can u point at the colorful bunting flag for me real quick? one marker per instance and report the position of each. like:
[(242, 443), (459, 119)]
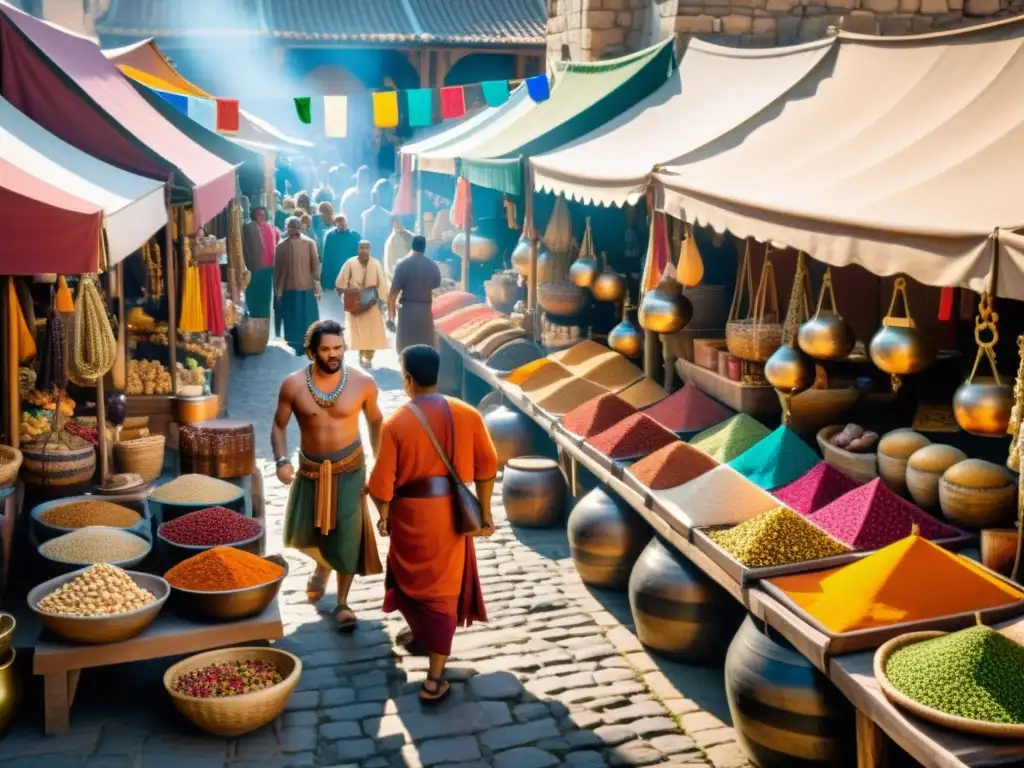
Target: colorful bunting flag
[(495, 92), (385, 109), (228, 116), (304, 109), (453, 102), (177, 100), (420, 103), (336, 117), (538, 87), (204, 112)]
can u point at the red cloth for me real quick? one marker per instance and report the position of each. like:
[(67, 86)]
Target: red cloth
[(405, 204), (460, 216), (213, 298), (453, 102), (228, 115), (946, 305)]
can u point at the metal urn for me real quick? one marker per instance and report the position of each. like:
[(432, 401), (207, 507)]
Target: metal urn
[(10, 686), (609, 285), (678, 611), (826, 335), (511, 432), (665, 309), (533, 491), (481, 249), (626, 338), (606, 536), (789, 370), (785, 712), (586, 269), (982, 406), (899, 348)]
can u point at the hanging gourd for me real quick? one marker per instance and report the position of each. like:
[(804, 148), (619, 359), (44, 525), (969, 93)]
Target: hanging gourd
[(982, 405), (691, 266), (625, 338), (899, 348), (609, 285), (665, 309), (585, 269), (789, 370), (827, 336), (65, 301), (93, 345)]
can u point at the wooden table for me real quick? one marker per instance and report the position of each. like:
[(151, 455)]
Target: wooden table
[(61, 662)]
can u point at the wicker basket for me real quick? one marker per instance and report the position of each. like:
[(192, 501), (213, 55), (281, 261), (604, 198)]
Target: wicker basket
[(560, 298), (755, 337), (862, 467), (218, 448), (143, 456), (10, 465), (236, 715), (753, 340)]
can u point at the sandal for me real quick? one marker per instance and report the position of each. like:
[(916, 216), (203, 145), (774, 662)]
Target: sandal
[(316, 586), (347, 625), (441, 690)]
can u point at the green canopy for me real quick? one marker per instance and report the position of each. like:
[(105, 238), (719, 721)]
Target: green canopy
[(584, 96)]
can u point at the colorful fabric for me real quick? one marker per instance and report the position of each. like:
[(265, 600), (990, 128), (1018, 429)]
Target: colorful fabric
[(299, 310), (385, 109), (304, 109), (228, 116), (420, 103), (339, 247), (213, 298), (176, 100), (453, 102), (336, 117), (538, 88), (269, 235), (204, 112), (495, 92), (405, 203), (260, 292)]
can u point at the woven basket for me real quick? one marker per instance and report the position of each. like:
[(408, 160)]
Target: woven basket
[(236, 715), (862, 467), (752, 340), (10, 464), (755, 337), (560, 298), (143, 456)]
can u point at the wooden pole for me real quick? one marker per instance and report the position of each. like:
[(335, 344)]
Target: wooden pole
[(101, 429), (170, 267), (533, 326), (122, 337), (468, 224), (13, 383)]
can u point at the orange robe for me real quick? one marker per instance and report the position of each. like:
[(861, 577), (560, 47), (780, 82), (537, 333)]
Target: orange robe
[(432, 576)]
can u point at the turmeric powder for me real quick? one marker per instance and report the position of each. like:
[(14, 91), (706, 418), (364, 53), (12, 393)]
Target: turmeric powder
[(910, 580), (222, 569)]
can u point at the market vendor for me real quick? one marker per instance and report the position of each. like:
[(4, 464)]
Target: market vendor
[(259, 240), (326, 516), (297, 284)]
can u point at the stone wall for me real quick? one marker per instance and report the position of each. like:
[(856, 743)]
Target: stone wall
[(597, 29)]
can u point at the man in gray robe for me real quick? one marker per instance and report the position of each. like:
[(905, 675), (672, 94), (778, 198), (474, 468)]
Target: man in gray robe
[(415, 279)]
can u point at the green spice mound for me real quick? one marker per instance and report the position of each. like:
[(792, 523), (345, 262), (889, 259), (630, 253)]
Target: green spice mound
[(777, 537), (975, 673)]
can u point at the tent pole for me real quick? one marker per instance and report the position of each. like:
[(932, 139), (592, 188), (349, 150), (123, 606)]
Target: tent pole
[(13, 382), (467, 226), (171, 266), (418, 228), (530, 231)]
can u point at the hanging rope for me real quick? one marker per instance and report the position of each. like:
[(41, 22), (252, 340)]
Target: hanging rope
[(95, 347)]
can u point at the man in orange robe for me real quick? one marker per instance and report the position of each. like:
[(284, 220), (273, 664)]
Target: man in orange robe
[(432, 576)]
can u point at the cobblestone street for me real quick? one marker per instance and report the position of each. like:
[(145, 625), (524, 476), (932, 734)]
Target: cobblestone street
[(556, 678)]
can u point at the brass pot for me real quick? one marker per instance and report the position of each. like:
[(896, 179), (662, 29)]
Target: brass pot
[(500, 295), (900, 350), (521, 257), (533, 491), (606, 536), (10, 689), (584, 271), (827, 336), (789, 370), (609, 286), (665, 309), (785, 712), (982, 406), (511, 432), (481, 248), (678, 611), (626, 339)]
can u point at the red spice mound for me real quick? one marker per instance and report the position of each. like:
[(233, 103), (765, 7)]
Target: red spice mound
[(460, 317), (597, 415), (635, 436), (873, 516), (447, 303), (211, 527), (688, 410), (817, 488), (671, 466)]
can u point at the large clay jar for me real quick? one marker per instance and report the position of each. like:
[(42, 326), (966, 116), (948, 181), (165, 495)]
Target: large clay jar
[(678, 611), (510, 431), (606, 536), (786, 713), (533, 491)]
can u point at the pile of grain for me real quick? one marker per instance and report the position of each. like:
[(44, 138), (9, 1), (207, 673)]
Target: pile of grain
[(102, 590), (597, 415), (94, 545), (196, 489), (81, 514), (688, 410), (777, 537), (725, 441), (631, 438), (511, 356), (643, 394), (450, 302), (671, 466)]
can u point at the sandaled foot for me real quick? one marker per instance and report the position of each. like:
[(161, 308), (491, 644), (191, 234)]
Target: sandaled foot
[(435, 690), (316, 586), (345, 619), (406, 639)]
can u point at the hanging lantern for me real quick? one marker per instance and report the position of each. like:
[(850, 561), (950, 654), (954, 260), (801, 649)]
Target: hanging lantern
[(982, 405), (625, 338), (585, 269), (826, 336), (691, 266), (609, 285), (665, 309), (898, 347), (788, 369)]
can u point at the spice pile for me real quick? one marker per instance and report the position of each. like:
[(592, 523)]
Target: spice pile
[(777, 537), (688, 410), (725, 441), (779, 459), (211, 527), (643, 394), (910, 580), (634, 436), (452, 301), (873, 516), (818, 488), (222, 569), (974, 673), (610, 371), (102, 590), (580, 356), (544, 376), (460, 317), (597, 415), (564, 396), (673, 465), (94, 545), (196, 489), (229, 679), (514, 354), (81, 514)]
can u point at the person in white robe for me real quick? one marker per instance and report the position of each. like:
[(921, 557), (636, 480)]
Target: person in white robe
[(366, 328), (397, 246)]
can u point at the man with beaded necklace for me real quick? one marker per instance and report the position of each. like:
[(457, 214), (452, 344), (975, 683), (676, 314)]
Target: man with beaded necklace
[(326, 516)]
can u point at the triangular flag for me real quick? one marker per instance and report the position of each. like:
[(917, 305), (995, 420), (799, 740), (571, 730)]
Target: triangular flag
[(453, 102), (421, 107), (304, 109), (204, 112), (538, 87), (177, 100), (495, 92), (228, 117), (336, 117), (385, 109)]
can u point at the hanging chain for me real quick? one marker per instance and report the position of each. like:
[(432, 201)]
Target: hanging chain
[(986, 321)]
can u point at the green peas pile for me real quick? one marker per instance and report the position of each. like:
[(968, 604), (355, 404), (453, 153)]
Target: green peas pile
[(976, 673), (777, 537)]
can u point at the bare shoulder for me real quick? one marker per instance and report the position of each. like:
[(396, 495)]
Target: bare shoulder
[(292, 385), (362, 381)]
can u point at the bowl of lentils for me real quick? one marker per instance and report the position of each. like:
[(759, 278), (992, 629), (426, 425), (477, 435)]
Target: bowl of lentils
[(99, 604), (92, 545), (55, 518), (204, 529), (189, 493), (234, 690)]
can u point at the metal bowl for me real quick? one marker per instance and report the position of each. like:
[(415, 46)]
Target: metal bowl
[(101, 629), (7, 626), (174, 553), (43, 531), (60, 566), (232, 605), (165, 511)]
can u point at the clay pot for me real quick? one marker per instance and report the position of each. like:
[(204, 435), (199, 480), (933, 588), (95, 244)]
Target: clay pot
[(560, 298), (533, 491), (606, 536), (510, 432), (665, 309), (982, 406), (481, 249)]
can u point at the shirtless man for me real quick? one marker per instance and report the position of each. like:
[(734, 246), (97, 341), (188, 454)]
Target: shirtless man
[(327, 517)]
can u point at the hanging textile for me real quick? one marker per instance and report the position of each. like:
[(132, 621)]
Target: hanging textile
[(460, 206), (204, 112), (228, 116), (304, 109), (538, 87), (495, 92), (176, 100), (657, 253), (336, 117), (213, 298), (385, 109), (420, 103), (453, 102), (405, 204), (25, 340), (193, 310)]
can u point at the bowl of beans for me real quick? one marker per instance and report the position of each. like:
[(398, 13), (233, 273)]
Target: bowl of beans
[(55, 518), (190, 534), (92, 545), (99, 604), (190, 493), (225, 584)]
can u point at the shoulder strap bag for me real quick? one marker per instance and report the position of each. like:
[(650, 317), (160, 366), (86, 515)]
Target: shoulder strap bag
[(360, 301), (468, 515)]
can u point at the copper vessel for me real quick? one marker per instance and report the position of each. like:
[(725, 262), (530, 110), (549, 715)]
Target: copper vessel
[(533, 491), (826, 336), (982, 406), (626, 338), (609, 285), (606, 536), (586, 269), (10, 689), (899, 348), (665, 309), (511, 432), (789, 370)]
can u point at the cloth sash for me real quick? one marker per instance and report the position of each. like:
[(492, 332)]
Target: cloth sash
[(322, 473)]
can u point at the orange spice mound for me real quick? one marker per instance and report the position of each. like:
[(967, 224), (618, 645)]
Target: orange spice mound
[(221, 569), (671, 466)]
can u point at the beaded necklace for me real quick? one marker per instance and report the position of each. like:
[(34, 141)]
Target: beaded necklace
[(322, 399)]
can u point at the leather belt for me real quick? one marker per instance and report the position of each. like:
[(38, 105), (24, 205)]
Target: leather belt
[(425, 488)]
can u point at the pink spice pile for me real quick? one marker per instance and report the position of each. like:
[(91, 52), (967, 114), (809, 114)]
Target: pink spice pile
[(688, 410), (817, 488)]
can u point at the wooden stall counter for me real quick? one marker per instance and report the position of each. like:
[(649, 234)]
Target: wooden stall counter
[(61, 662)]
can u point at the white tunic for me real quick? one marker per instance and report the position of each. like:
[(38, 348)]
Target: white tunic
[(365, 331)]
